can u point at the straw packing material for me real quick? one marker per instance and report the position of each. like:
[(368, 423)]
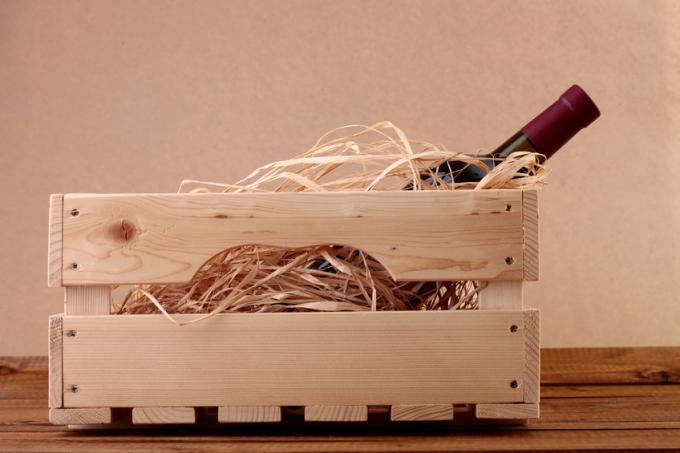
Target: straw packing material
[(328, 277)]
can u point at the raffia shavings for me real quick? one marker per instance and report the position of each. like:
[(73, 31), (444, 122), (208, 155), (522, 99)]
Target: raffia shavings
[(326, 277)]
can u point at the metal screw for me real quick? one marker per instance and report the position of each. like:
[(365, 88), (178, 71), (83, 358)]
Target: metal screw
[(514, 328), (509, 260), (75, 266), (74, 388), (75, 212), (508, 207), (71, 333), (514, 384)]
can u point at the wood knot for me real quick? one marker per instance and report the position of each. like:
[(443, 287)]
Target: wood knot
[(6, 370), (123, 230), (661, 376)]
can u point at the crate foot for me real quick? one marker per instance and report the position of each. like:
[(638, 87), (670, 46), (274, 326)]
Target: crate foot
[(421, 412), (518, 411), (336, 413), (163, 415), (81, 416), (249, 414)]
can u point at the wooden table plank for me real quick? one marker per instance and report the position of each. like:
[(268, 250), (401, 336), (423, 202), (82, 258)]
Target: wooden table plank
[(658, 365), (453, 441), (606, 398)]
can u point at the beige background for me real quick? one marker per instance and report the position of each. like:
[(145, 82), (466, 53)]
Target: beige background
[(135, 96)]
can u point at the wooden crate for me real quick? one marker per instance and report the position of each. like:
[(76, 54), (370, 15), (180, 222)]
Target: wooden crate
[(260, 367)]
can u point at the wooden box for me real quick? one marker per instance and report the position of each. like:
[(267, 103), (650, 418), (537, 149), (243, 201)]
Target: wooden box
[(417, 365)]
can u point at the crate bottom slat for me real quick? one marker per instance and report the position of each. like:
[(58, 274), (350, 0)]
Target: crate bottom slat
[(163, 415), (249, 414), (466, 414), (507, 411), (421, 412)]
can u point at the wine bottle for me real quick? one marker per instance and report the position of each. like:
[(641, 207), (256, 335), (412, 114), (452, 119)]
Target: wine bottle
[(545, 134)]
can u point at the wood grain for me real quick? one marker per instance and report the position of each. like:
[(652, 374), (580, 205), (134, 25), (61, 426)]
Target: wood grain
[(295, 359), (56, 336), (501, 295), (625, 415), (163, 415), (87, 300), (613, 409), (338, 413), (530, 222), (165, 238), (421, 412), (608, 390), (249, 414), (55, 241), (519, 411), (83, 416), (532, 357), (652, 365)]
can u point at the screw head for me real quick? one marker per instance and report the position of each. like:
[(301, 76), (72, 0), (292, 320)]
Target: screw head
[(74, 388), (508, 207), (71, 333), (75, 212), (74, 266), (509, 260), (514, 384), (514, 328)]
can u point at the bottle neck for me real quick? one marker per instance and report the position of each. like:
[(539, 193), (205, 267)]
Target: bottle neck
[(557, 124), (518, 142)]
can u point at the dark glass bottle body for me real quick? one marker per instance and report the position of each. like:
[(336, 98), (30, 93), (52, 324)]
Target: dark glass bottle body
[(465, 172)]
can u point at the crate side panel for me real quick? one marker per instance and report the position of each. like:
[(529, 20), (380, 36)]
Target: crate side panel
[(415, 235), (284, 359)]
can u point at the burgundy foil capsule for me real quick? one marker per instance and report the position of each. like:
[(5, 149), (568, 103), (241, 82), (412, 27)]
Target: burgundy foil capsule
[(573, 111)]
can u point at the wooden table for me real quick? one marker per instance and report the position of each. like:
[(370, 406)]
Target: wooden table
[(618, 398)]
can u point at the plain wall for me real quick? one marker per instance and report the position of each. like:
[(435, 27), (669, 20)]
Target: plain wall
[(136, 96)]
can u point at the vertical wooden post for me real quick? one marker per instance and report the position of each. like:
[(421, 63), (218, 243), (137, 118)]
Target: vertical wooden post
[(87, 300), (501, 295), (530, 225), (82, 300), (56, 386), (55, 240), (532, 357)]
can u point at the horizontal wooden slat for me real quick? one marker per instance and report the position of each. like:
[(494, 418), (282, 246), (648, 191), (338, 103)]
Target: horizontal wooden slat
[(154, 238), (295, 359)]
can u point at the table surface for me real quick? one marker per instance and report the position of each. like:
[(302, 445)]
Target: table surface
[(599, 398)]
